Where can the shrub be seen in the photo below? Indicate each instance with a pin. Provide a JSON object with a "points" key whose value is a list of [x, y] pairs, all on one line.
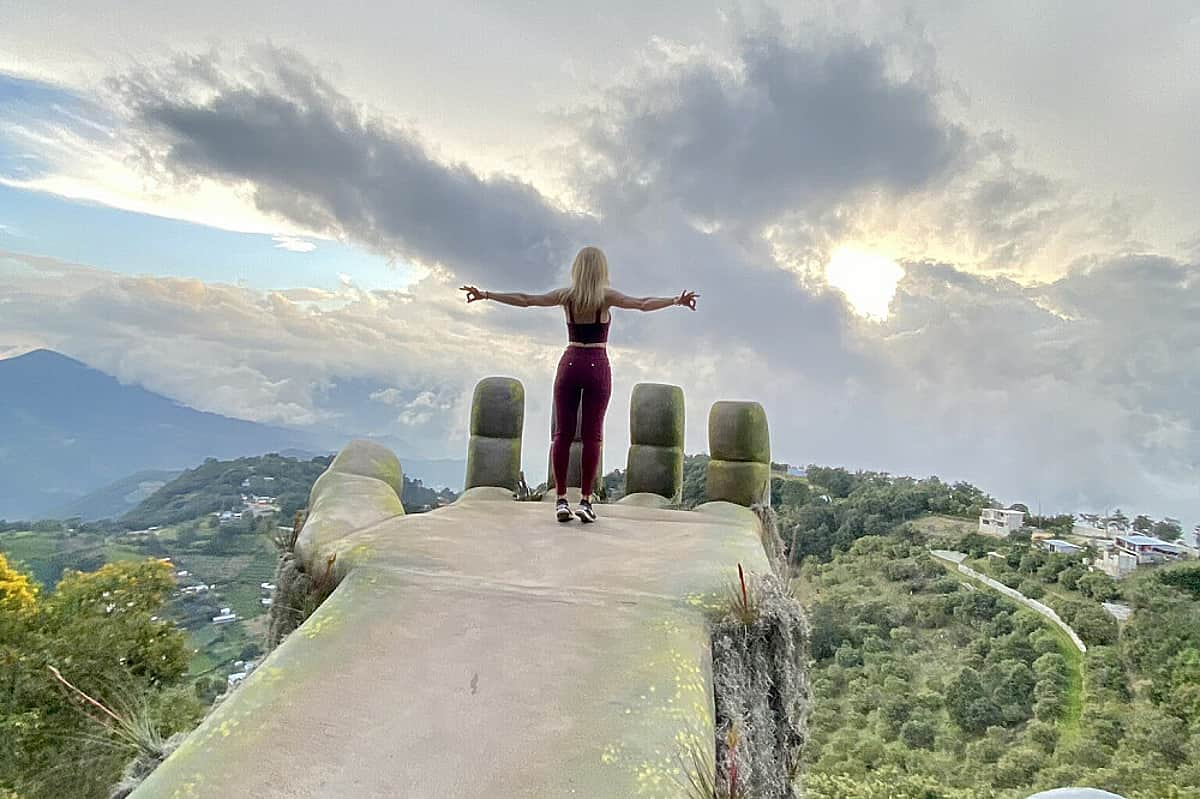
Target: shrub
{"points": [[1032, 589]]}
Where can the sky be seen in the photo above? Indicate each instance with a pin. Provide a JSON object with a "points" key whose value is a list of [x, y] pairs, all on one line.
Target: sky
{"points": [[951, 238]]}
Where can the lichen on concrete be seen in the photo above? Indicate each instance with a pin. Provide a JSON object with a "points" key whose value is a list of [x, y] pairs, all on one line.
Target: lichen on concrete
{"points": [[761, 692], [772, 541]]}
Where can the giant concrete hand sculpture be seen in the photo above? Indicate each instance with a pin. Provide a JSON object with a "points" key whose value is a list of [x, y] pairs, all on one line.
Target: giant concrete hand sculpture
{"points": [[483, 649]]}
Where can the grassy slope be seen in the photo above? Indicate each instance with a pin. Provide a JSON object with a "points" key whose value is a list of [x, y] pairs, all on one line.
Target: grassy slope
{"points": [[1068, 725]]}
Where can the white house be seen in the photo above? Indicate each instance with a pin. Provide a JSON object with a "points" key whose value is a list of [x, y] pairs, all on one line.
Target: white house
{"points": [[1000, 521], [1148, 549]]}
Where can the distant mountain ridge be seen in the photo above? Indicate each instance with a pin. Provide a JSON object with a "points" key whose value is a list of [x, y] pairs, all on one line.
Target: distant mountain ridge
{"points": [[71, 437], [67, 429], [115, 499]]}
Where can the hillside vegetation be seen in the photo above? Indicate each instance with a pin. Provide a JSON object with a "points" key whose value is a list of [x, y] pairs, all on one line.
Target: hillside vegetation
{"points": [[231, 557], [929, 686], [925, 684], [220, 485]]}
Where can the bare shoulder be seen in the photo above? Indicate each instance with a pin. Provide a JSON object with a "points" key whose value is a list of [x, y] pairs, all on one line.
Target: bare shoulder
{"points": [[550, 298]]}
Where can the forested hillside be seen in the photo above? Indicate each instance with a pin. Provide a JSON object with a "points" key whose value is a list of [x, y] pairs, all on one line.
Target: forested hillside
{"points": [[927, 685], [216, 486]]}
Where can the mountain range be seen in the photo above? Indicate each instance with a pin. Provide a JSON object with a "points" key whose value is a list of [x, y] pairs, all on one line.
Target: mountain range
{"points": [[68, 431]]}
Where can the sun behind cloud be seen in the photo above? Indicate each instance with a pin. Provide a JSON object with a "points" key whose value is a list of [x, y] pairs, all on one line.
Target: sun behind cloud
{"points": [[867, 279]]}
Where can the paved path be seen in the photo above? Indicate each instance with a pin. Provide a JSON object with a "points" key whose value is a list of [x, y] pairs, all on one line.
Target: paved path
{"points": [[481, 650], [957, 558]]}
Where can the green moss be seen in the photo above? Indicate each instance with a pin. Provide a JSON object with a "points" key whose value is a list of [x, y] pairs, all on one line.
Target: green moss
{"points": [[498, 408], [743, 483], [656, 415], [655, 470], [493, 462], [737, 431]]}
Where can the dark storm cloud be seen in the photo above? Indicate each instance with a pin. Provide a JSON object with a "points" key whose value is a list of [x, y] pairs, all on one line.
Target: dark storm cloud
{"points": [[313, 157], [1078, 393], [788, 127]]}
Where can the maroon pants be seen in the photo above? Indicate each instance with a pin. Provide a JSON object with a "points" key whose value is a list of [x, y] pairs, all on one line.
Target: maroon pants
{"points": [[583, 377]]}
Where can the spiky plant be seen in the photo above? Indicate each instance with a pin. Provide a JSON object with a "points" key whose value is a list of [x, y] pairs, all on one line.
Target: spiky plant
{"points": [[702, 780], [744, 600]]}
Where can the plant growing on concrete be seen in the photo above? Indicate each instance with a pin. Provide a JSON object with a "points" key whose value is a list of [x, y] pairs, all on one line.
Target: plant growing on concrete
{"points": [[759, 655], [743, 599], [297, 593], [526, 494], [702, 778], [133, 727]]}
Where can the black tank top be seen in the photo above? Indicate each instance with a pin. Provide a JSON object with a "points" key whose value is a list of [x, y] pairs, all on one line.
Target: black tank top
{"points": [[587, 332]]}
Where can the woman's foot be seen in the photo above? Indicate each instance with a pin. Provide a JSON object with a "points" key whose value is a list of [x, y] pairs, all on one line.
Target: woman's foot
{"points": [[585, 512], [562, 510]]}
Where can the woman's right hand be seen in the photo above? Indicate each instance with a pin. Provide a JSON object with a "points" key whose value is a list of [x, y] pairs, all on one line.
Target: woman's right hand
{"points": [[473, 293], [687, 299]]}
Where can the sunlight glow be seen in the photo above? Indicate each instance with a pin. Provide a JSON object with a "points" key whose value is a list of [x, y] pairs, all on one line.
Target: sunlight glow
{"points": [[867, 279]]}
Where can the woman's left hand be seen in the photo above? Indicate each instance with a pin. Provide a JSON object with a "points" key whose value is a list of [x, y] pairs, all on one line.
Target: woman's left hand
{"points": [[687, 299], [473, 293]]}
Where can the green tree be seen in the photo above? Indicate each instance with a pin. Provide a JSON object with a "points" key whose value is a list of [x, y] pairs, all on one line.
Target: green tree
{"points": [[1167, 529], [1099, 586], [968, 704], [1068, 578], [100, 631], [919, 733], [1032, 589], [1095, 626]]}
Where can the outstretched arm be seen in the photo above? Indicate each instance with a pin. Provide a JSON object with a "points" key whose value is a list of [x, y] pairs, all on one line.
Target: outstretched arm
{"points": [[619, 300], [518, 300]]}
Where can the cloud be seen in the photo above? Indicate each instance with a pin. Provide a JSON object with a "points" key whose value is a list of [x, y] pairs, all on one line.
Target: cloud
{"points": [[293, 244], [786, 126], [308, 154], [1073, 392], [733, 177]]}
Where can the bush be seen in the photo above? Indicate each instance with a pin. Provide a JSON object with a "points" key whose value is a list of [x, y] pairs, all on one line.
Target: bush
{"points": [[1095, 626], [1098, 586], [918, 733], [1032, 589], [847, 656]]}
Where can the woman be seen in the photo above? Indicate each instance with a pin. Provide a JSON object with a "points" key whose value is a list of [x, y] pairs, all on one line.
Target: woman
{"points": [[583, 371]]}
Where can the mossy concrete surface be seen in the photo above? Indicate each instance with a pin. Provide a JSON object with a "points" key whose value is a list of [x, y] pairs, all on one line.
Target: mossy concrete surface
{"points": [[655, 470], [656, 415], [739, 469], [484, 649], [497, 422], [737, 431], [493, 462], [498, 408], [742, 482]]}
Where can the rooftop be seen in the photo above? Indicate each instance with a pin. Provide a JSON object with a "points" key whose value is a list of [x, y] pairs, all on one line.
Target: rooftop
{"points": [[1147, 540]]}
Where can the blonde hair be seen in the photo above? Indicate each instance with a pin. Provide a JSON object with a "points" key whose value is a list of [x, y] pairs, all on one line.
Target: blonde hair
{"points": [[589, 280]]}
